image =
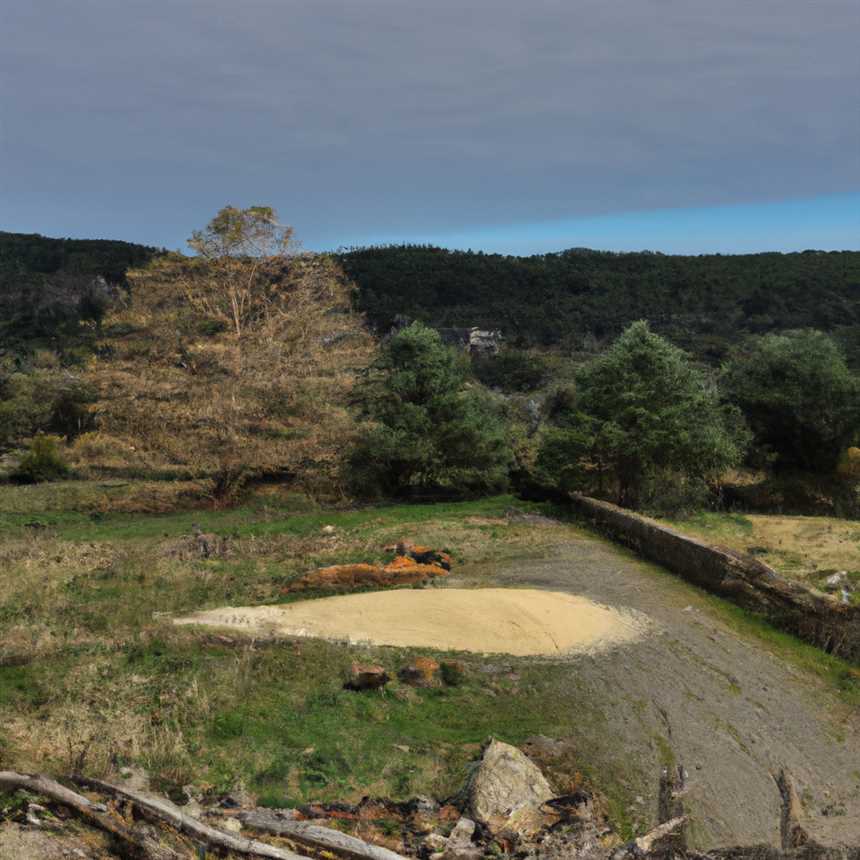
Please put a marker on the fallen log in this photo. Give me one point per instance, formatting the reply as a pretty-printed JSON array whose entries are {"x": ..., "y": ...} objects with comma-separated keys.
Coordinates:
[
  {"x": 312, "y": 836},
  {"x": 653, "y": 838},
  {"x": 163, "y": 810},
  {"x": 96, "y": 814}
]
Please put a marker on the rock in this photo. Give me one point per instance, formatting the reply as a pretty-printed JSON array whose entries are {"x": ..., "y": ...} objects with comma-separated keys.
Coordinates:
[
  {"x": 421, "y": 672},
  {"x": 836, "y": 580},
  {"x": 425, "y": 805},
  {"x": 231, "y": 825},
  {"x": 463, "y": 831},
  {"x": 366, "y": 677},
  {"x": 420, "y": 554},
  {"x": 507, "y": 791},
  {"x": 134, "y": 778},
  {"x": 458, "y": 846},
  {"x": 435, "y": 842},
  {"x": 328, "y": 530},
  {"x": 484, "y": 341},
  {"x": 343, "y": 577}
]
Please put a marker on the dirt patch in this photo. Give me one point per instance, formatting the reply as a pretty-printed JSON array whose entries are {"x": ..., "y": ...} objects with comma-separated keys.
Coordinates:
[{"x": 521, "y": 622}]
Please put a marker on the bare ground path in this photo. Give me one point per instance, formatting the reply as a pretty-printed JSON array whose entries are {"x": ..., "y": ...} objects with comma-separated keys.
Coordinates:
[{"x": 719, "y": 702}]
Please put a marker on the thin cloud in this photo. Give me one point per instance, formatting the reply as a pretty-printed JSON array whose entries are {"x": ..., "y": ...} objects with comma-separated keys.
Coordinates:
[{"x": 366, "y": 117}]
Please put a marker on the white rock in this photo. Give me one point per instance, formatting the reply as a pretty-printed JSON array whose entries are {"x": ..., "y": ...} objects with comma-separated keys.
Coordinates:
[{"x": 507, "y": 791}]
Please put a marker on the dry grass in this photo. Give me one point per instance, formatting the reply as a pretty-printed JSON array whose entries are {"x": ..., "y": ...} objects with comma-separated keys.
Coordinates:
[
  {"x": 804, "y": 548},
  {"x": 179, "y": 391},
  {"x": 94, "y": 675}
]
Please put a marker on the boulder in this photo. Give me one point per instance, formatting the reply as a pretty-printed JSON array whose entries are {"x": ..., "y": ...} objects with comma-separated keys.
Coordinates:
[
  {"x": 458, "y": 846},
  {"x": 421, "y": 672},
  {"x": 364, "y": 676},
  {"x": 837, "y": 580},
  {"x": 507, "y": 791}
]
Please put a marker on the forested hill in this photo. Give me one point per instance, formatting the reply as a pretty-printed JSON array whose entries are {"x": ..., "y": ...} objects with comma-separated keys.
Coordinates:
[
  {"x": 564, "y": 299},
  {"x": 33, "y": 254},
  {"x": 48, "y": 286},
  {"x": 703, "y": 303}
]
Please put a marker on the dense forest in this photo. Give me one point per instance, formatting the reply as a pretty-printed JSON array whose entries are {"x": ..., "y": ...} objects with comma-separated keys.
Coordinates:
[
  {"x": 575, "y": 300},
  {"x": 48, "y": 287},
  {"x": 570, "y": 298}
]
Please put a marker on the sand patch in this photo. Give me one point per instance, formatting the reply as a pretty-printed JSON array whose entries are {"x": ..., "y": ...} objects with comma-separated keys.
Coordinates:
[{"x": 513, "y": 621}]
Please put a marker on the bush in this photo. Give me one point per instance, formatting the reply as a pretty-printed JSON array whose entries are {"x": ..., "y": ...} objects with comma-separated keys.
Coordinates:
[
  {"x": 849, "y": 465},
  {"x": 799, "y": 397},
  {"x": 43, "y": 462},
  {"x": 46, "y": 400},
  {"x": 511, "y": 370},
  {"x": 646, "y": 427},
  {"x": 430, "y": 432},
  {"x": 453, "y": 673}
]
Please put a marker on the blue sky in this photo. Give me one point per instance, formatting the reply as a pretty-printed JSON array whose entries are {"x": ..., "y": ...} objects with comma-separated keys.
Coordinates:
[
  {"x": 675, "y": 125},
  {"x": 825, "y": 223}
]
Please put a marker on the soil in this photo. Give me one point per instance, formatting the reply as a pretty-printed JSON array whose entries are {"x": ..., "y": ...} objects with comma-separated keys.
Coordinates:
[
  {"x": 18, "y": 842},
  {"x": 701, "y": 694},
  {"x": 519, "y": 622},
  {"x": 693, "y": 691}
]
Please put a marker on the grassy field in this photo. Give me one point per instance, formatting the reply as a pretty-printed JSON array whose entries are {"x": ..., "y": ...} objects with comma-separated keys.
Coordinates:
[
  {"x": 808, "y": 549},
  {"x": 93, "y": 675}
]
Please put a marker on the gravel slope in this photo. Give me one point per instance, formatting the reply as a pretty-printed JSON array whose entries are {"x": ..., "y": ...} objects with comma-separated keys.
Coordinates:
[{"x": 720, "y": 703}]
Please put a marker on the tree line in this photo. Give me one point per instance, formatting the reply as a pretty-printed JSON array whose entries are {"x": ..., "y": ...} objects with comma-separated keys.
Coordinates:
[
  {"x": 249, "y": 359},
  {"x": 573, "y": 298}
]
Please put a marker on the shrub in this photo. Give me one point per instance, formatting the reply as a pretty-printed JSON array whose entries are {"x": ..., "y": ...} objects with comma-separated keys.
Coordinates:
[
  {"x": 849, "y": 464},
  {"x": 798, "y": 395},
  {"x": 453, "y": 672},
  {"x": 430, "y": 432},
  {"x": 43, "y": 462},
  {"x": 46, "y": 400},
  {"x": 647, "y": 427},
  {"x": 511, "y": 370}
]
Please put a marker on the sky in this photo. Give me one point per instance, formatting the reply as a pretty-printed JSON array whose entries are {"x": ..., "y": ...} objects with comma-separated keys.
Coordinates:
[{"x": 683, "y": 126}]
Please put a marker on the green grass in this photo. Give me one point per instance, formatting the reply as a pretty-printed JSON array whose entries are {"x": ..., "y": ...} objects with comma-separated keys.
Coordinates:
[
  {"x": 716, "y": 526},
  {"x": 259, "y": 518},
  {"x": 90, "y": 667}
]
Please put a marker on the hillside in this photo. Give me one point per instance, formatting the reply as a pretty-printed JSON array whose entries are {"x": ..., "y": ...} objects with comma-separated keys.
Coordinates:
[
  {"x": 49, "y": 286},
  {"x": 570, "y": 298}
]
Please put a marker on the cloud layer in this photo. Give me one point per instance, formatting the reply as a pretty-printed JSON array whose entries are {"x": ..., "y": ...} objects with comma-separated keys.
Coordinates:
[{"x": 376, "y": 117}]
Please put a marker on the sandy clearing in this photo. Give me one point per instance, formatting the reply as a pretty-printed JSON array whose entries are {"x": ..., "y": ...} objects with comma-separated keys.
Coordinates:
[{"x": 520, "y": 622}]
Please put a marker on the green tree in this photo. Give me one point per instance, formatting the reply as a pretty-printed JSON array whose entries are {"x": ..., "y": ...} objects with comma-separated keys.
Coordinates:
[
  {"x": 798, "y": 395},
  {"x": 430, "y": 431},
  {"x": 44, "y": 400},
  {"x": 646, "y": 424},
  {"x": 42, "y": 462},
  {"x": 511, "y": 370}
]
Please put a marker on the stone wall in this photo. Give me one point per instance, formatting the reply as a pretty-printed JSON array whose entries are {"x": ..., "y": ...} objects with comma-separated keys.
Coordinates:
[{"x": 813, "y": 616}]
